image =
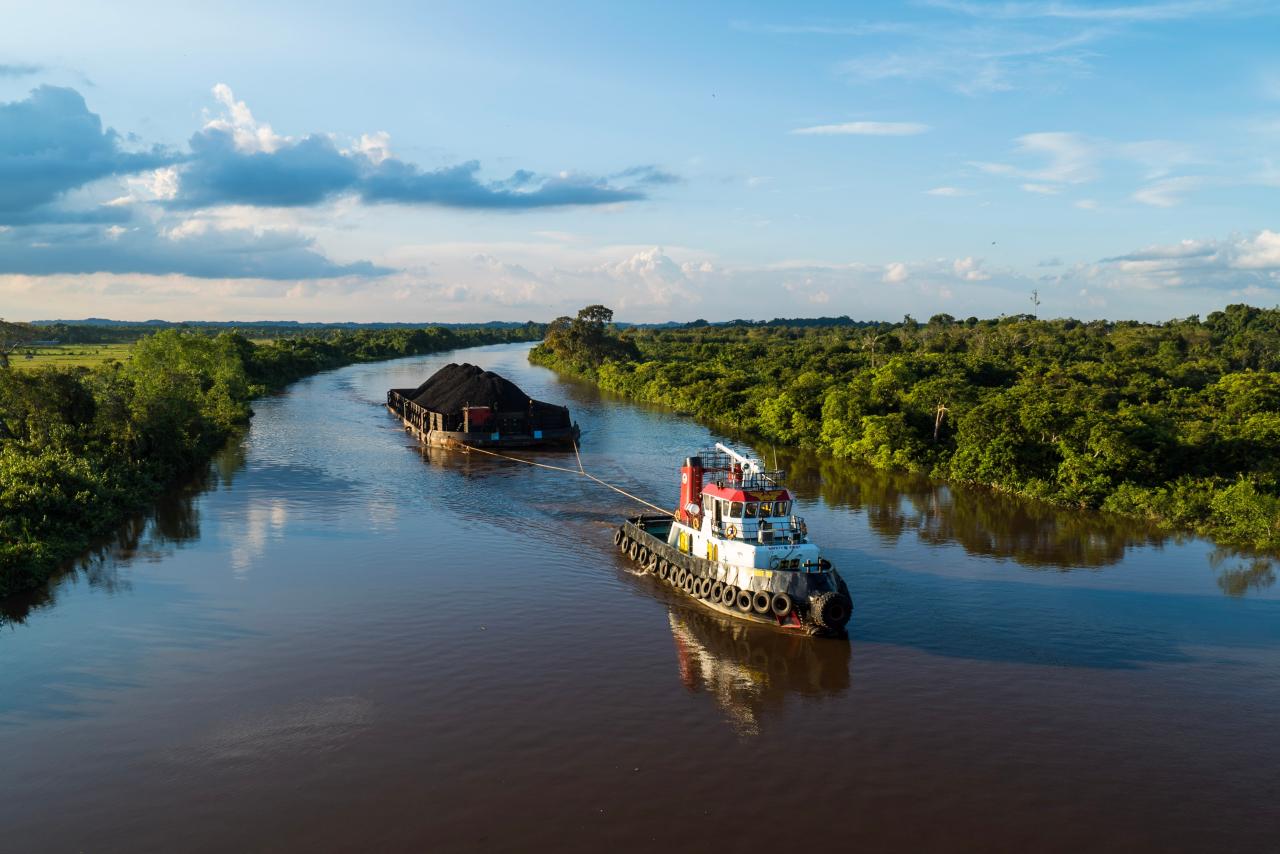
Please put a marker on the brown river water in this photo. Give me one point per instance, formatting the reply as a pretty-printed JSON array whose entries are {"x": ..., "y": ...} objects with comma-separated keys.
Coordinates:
[{"x": 337, "y": 641}]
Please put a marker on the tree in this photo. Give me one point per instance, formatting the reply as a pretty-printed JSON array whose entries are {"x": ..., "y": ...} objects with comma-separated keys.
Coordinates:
[{"x": 13, "y": 336}]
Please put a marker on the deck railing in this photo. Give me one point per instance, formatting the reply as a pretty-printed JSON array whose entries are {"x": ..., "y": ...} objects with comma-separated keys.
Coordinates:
[{"x": 789, "y": 530}]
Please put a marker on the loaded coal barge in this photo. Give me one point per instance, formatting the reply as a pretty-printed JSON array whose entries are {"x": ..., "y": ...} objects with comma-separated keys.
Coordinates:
[
  {"x": 464, "y": 406},
  {"x": 734, "y": 545}
]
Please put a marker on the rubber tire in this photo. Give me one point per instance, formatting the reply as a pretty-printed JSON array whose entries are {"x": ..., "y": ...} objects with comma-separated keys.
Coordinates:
[
  {"x": 618, "y": 537},
  {"x": 704, "y": 588},
  {"x": 782, "y": 606},
  {"x": 830, "y": 610},
  {"x": 761, "y": 602},
  {"x": 728, "y": 596},
  {"x": 717, "y": 591},
  {"x": 643, "y": 557},
  {"x": 625, "y": 544},
  {"x": 652, "y": 565},
  {"x": 633, "y": 551},
  {"x": 691, "y": 584},
  {"x": 663, "y": 569},
  {"x": 744, "y": 601}
]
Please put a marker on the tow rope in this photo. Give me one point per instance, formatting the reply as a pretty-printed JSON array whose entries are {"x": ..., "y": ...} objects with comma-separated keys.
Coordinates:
[{"x": 580, "y": 470}]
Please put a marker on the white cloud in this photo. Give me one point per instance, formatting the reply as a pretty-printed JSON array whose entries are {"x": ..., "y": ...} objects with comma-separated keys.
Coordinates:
[
  {"x": 1071, "y": 158},
  {"x": 1086, "y": 204},
  {"x": 895, "y": 272},
  {"x": 153, "y": 186},
  {"x": 249, "y": 134},
  {"x": 865, "y": 129},
  {"x": 1233, "y": 264},
  {"x": 1167, "y": 192},
  {"x": 950, "y": 192},
  {"x": 970, "y": 269},
  {"x": 375, "y": 146}
]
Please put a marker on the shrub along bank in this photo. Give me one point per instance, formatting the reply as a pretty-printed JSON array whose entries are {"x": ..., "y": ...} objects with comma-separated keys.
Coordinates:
[
  {"x": 81, "y": 448},
  {"x": 1177, "y": 422}
]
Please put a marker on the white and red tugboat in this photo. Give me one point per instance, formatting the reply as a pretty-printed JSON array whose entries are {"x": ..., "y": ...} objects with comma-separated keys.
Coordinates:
[{"x": 735, "y": 545}]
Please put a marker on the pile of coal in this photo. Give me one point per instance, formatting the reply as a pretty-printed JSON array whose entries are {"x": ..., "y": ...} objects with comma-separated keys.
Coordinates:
[{"x": 454, "y": 387}]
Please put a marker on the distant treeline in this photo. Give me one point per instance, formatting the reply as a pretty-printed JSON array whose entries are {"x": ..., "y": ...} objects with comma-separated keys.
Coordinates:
[
  {"x": 82, "y": 448},
  {"x": 99, "y": 331},
  {"x": 1177, "y": 422}
]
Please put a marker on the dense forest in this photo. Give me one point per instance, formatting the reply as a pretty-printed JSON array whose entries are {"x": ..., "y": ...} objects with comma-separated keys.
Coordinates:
[
  {"x": 1176, "y": 422},
  {"x": 81, "y": 448}
]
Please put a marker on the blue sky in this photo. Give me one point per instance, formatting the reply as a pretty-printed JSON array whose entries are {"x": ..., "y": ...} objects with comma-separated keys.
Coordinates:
[{"x": 381, "y": 161}]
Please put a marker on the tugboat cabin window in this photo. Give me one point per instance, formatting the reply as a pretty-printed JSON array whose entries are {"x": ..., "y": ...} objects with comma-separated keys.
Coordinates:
[
  {"x": 751, "y": 509},
  {"x": 766, "y": 508},
  {"x": 782, "y": 508},
  {"x": 735, "y": 509}
]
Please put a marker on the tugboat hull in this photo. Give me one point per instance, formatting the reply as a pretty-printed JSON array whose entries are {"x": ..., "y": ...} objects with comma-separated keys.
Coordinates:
[{"x": 809, "y": 602}]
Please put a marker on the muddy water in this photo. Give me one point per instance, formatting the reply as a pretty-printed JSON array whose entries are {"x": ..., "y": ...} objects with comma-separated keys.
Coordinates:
[{"x": 338, "y": 642}]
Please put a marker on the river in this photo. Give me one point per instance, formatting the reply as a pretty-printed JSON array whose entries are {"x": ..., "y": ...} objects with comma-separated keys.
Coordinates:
[{"x": 338, "y": 641}]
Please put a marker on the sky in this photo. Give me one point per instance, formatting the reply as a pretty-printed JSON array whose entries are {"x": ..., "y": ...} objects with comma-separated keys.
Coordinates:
[{"x": 389, "y": 161}]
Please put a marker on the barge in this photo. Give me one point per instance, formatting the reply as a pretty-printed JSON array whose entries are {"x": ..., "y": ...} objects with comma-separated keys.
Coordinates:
[
  {"x": 735, "y": 546},
  {"x": 463, "y": 406}
]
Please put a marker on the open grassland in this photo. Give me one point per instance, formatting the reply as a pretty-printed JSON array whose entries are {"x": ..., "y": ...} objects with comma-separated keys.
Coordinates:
[{"x": 70, "y": 356}]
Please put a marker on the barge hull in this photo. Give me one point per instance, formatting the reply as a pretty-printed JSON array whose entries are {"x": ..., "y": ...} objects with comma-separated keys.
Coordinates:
[{"x": 418, "y": 422}]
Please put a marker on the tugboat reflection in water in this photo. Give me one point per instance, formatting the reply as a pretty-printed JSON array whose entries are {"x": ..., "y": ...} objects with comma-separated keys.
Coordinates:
[{"x": 750, "y": 672}]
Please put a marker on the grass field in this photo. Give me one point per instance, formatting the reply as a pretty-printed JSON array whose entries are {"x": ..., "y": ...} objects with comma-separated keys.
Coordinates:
[{"x": 70, "y": 355}]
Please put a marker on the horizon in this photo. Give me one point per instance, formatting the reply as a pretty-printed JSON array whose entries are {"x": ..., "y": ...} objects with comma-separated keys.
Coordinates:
[{"x": 720, "y": 162}]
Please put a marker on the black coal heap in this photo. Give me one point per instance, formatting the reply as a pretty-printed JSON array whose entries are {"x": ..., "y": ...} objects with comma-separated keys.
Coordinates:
[{"x": 455, "y": 386}]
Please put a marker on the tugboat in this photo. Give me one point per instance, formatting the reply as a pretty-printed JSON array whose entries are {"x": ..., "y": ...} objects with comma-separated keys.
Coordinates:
[{"x": 735, "y": 545}]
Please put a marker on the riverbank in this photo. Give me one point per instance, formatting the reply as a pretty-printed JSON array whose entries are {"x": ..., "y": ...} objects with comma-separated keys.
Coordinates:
[
  {"x": 1175, "y": 423},
  {"x": 82, "y": 448}
]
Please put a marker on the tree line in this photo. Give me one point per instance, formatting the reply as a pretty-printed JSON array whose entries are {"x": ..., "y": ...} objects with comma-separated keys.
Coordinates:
[
  {"x": 82, "y": 448},
  {"x": 1176, "y": 422}
]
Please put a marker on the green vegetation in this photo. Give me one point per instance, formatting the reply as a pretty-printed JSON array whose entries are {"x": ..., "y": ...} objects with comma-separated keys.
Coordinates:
[
  {"x": 1176, "y": 422},
  {"x": 68, "y": 356},
  {"x": 81, "y": 448}
]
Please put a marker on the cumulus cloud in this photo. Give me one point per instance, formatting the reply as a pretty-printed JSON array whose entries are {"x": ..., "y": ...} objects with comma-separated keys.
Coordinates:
[
  {"x": 287, "y": 173},
  {"x": 651, "y": 277},
  {"x": 460, "y": 187},
  {"x": 192, "y": 248},
  {"x": 864, "y": 129},
  {"x": 950, "y": 192},
  {"x": 1237, "y": 263},
  {"x": 50, "y": 143},
  {"x": 895, "y": 272},
  {"x": 236, "y": 159},
  {"x": 970, "y": 269}
]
